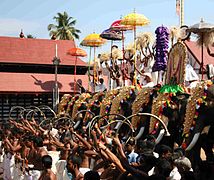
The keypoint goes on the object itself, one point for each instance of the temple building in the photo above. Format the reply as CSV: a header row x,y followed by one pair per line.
x,y
27,72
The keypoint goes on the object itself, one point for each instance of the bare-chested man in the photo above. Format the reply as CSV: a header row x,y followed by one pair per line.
x,y
37,151
47,173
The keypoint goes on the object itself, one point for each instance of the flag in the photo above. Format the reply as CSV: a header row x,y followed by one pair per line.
x,y
178,7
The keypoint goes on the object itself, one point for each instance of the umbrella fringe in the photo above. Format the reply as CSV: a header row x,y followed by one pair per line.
x,y
208,39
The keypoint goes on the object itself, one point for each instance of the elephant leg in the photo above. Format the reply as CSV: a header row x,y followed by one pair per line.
x,y
207,145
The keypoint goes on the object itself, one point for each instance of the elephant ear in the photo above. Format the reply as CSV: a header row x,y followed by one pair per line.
x,y
210,92
182,96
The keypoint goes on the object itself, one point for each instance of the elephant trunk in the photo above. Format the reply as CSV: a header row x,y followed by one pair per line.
x,y
140,133
160,136
193,142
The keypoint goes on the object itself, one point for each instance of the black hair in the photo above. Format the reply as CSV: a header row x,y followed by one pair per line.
x,y
101,80
164,149
164,167
180,151
38,141
47,161
76,159
91,175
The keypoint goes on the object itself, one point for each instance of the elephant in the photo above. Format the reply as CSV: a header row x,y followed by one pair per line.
x,y
201,133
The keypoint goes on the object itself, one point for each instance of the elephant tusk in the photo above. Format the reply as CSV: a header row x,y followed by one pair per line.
x,y
140,133
118,125
193,142
156,117
160,136
77,124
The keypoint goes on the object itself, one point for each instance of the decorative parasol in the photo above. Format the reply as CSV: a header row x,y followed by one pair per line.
x,y
92,40
110,34
134,20
201,29
76,52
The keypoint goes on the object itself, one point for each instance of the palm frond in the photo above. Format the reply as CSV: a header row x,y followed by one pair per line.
x,y
64,27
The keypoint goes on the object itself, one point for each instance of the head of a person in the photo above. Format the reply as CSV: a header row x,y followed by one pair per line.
x,y
38,141
183,164
163,167
91,175
73,163
165,151
28,140
101,80
47,161
130,145
145,147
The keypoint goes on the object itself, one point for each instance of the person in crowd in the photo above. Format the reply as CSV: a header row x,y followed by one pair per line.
x,y
130,151
73,165
191,77
47,173
91,175
100,87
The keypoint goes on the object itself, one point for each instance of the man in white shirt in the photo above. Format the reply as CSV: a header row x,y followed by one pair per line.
x,y
191,77
101,86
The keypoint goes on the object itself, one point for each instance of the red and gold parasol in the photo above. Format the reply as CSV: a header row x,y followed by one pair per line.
x,y
78,52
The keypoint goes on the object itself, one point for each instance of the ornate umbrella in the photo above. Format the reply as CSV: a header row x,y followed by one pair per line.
x,y
76,52
134,19
110,34
92,40
201,29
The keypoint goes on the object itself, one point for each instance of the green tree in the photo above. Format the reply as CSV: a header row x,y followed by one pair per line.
x,y
64,28
30,36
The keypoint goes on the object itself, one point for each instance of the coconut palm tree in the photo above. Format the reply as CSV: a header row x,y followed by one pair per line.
x,y
64,28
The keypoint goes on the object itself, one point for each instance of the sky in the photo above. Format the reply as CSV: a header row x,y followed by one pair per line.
x,y
33,16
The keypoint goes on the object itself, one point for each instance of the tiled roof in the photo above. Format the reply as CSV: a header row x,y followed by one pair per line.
x,y
39,83
36,51
196,52
31,83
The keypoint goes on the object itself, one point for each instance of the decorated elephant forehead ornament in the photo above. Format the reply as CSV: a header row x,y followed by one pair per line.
x,y
176,64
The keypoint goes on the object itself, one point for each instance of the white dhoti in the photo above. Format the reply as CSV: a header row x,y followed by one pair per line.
x,y
34,174
55,158
8,166
61,170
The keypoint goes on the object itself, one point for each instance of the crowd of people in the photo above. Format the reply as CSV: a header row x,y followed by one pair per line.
x,y
29,151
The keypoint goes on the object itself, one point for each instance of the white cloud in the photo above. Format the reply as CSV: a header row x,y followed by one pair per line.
x,y
12,27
